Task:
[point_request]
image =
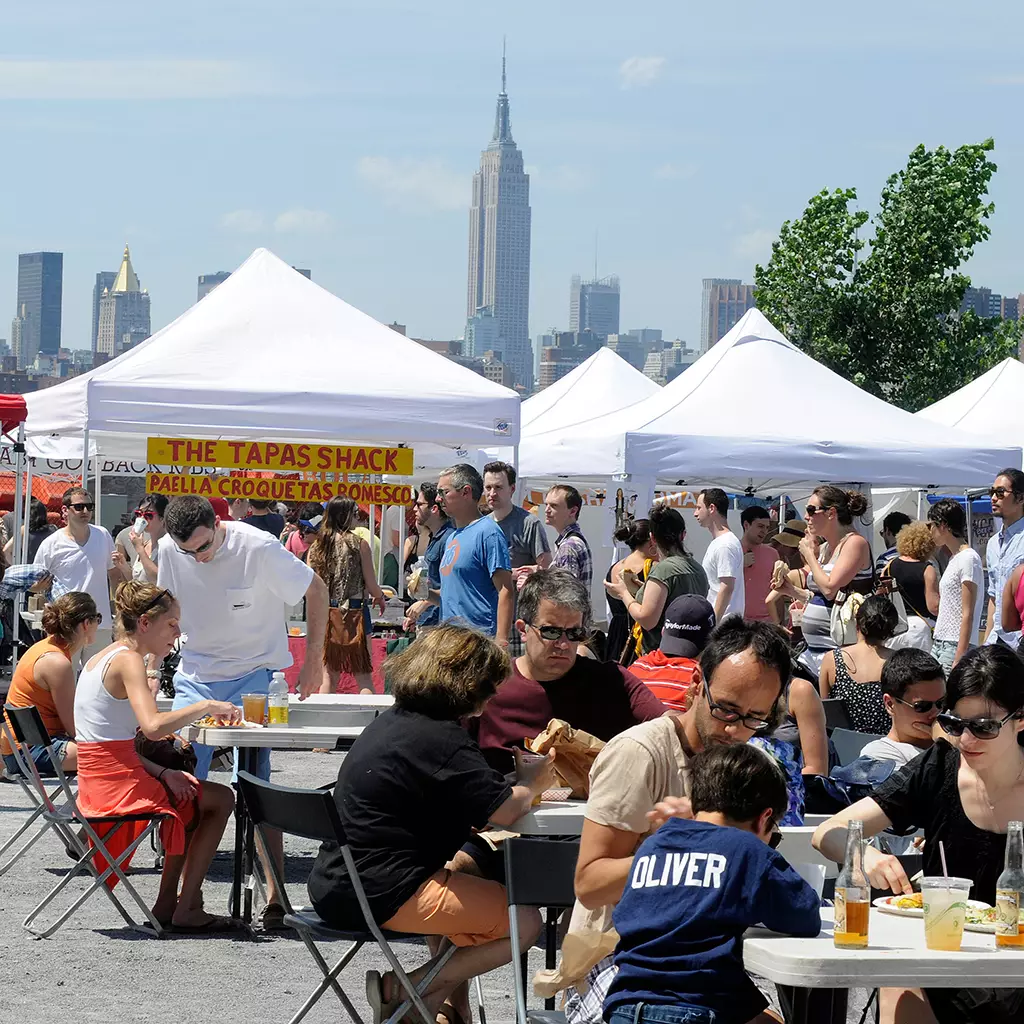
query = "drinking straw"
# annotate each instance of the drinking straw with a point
(942, 856)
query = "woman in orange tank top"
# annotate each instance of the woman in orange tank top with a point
(45, 677)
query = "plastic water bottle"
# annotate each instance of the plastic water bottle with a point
(278, 710)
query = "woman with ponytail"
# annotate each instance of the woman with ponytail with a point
(112, 702)
(643, 553)
(45, 678)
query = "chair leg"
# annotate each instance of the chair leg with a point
(40, 832)
(517, 973)
(481, 1011)
(330, 980)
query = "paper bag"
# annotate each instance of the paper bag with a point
(575, 753)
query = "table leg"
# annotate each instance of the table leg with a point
(550, 951)
(813, 1006)
(241, 905)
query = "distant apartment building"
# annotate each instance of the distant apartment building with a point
(594, 305)
(104, 281)
(982, 301)
(38, 310)
(629, 348)
(207, 282)
(723, 303)
(645, 335)
(483, 333)
(124, 312)
(665, 363)
(571, 348)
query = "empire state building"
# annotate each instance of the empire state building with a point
(499, 248)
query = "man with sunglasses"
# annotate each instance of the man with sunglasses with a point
(80, 556)
(1005, 549)
(744, 669)
(550, 680)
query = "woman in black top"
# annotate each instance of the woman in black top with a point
(642, 549)
(963, 791)
(918, 582)
(409, 794)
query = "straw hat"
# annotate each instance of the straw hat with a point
(791, 533)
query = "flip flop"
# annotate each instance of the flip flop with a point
(382, 1010)
(448, 1013)
(216, 925)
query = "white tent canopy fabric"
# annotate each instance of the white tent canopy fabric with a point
(269, 352)
(756, 412)
(990, 406)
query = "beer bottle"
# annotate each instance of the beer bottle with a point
(1009, 887)
(853, 893)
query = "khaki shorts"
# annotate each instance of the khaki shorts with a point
(464, 908)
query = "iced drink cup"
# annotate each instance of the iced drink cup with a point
(945, 905)
(254, 707)
(526, 768)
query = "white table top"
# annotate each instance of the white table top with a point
(552, 818)
(286, 737)
(896, 956)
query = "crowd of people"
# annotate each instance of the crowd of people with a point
(706, 697)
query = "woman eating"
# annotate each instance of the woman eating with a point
(112, 701)
(962, 791)
(410, 793)
(843, 564)
(674, 574)
(853, 674)
(45, 678)
(342, 559)
(643, 552)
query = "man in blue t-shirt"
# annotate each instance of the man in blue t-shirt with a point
(476, 573)
(697, 885)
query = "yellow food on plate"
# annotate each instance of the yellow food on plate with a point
(209, 722)
(915, 901)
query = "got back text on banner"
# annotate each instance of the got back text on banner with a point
(277, 489)
(274, 455)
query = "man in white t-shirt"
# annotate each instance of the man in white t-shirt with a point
(723, 560)
(234, 583)
(80, 557)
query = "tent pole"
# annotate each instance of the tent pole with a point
(85, 458)
(401, 553)
(19, 494)
(23, 546)
(97, 497)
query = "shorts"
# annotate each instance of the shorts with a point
(40, 757)
(645, 1013)
(189, 691)
(469, 911)
(944, 651)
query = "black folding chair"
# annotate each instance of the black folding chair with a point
(38, 806)
(848, 743)
(312, 814)
(29, 731)
(836, 715)
(538, 873)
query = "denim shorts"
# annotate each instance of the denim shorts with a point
(646, 1013)
(944, 651)
(41, 758)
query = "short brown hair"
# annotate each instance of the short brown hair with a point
(69, 496)
(449, 672)
(915, 541)
(502, 467)
(64, 615)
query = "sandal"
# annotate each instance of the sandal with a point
(447, 1013)
(382, 1009)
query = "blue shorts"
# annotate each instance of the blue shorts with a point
(646, 1013)
(41, 757)
(188, 691)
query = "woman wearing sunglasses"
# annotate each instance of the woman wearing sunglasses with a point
(963, 791)
(146, 544)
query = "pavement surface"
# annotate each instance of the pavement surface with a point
(95, 969)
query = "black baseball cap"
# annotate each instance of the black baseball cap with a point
(689, 621)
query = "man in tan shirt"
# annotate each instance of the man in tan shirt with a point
(744, 670)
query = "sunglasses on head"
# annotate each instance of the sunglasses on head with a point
(81, 506)
(156, 600)
(575, 635)
(922, 707)
(982, 728)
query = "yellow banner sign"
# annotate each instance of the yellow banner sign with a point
(315, 458)
(276, 489)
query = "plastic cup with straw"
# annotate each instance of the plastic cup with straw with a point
(945, 907)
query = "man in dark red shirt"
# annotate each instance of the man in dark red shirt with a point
(550, 680)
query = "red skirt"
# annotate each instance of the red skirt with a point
(113, 780)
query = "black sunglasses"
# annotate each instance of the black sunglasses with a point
(922, 707)
(775, 838)
(982, 728)
(199, 550)
(813, 510)
(724, 714)
(575, 635)
(82, 506)
(1000, 492)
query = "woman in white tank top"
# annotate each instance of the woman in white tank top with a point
(112, 701)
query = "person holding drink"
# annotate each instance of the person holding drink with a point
(963, 792)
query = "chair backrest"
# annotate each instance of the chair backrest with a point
(29, 730)
(836, 716)
(849, 744)
(540, 872)
(28, 725)
(310, 813)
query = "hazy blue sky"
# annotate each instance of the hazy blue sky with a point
(344, 136)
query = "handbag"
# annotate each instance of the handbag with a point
(842, 622)
(888, 587)
(170, 752)
(345, 647)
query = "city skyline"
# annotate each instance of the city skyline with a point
(345, 138)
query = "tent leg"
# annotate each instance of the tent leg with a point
(97, 497)
(85, 459)
(401, 554)
(23, 546)
(19, 521)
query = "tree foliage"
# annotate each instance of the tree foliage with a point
(889, 320)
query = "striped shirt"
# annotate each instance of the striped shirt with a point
(669, 679)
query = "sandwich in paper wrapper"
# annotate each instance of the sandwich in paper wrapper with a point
(575, 752)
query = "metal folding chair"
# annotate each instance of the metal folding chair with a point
(30, 731)
(38, 807)
(312, 814)
(538, 873)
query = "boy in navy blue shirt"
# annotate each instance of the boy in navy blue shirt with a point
(696, 886)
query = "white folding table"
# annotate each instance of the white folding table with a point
(552, 818)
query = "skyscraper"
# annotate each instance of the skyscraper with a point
(207, 282)
(40, 291)
(499, 243)
(594, 305)
(723, 303)
(104, 279)
(124, 312)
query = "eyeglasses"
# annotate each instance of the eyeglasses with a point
(982, 728)
(813, 510)
(922, 707)
(577, 634)
(81, 506)
(1000, 492)
(202, 549)
(724, 714)
(145, 514)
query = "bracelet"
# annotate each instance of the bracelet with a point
(160, 775)
(152, 673)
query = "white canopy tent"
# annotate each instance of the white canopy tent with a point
(756, 413)
(270, 353)
(990, 406)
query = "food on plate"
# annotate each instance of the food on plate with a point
(215, 722)
(915, 901)
(984, 915)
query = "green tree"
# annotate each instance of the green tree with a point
(890, 320)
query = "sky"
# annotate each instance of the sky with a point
(670, 140)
